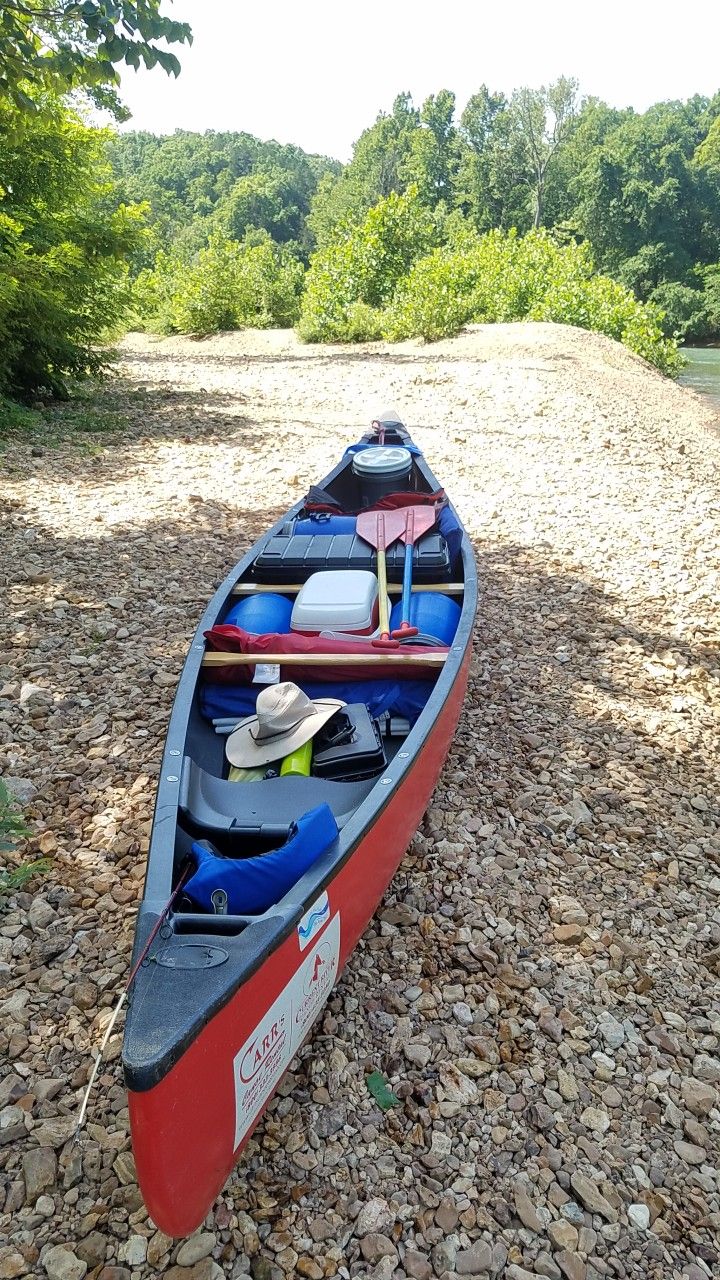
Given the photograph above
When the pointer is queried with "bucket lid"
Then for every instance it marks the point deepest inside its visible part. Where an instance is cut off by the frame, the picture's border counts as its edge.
(382, 460)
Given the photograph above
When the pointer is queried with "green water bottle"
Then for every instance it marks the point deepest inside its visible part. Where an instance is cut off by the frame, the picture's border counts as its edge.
(297, 764)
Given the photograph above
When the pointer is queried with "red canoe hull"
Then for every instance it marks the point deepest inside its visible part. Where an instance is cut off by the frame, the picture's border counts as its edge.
(189, 1129)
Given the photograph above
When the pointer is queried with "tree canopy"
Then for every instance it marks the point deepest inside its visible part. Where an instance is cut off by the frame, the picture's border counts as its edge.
(59, 45)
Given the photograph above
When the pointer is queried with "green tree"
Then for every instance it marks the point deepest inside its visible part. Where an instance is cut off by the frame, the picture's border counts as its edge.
(264, 200)
(374, 172)
(651, 208)
(361, 269)
(594, 123)
(431, 161)
(708, 152)
(64, 249)
(504, 278)
(542, 121)
(228, 285)
(490, 186)
(60, 45)
(197, 183)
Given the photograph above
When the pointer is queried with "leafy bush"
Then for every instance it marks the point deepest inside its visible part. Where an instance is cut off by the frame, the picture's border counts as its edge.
(12, 878)
(12, 824)
(502, 277)
(364, 323)
(12, 829)
(227, 285)
(63, 249)
(364, 266)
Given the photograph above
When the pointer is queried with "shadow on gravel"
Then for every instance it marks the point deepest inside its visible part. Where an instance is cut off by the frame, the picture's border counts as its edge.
(570, 691)
(550, 648)
(159, 417)
(139, 358)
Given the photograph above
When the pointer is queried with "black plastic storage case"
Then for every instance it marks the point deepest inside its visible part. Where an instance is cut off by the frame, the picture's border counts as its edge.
(292, 557)
(360, 752)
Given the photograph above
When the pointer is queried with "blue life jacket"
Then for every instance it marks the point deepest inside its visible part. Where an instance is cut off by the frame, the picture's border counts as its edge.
(254, 884)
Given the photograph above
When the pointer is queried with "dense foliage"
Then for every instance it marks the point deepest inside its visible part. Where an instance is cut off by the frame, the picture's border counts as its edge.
(542, 205)
(198, 184)
(59, 45)
(64, 245)
(228, 285)
(642, 192)
(67, 236)
(354, 276)
(404, 273)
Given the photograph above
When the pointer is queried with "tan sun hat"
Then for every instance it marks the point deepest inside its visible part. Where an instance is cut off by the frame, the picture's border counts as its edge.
(285, 719)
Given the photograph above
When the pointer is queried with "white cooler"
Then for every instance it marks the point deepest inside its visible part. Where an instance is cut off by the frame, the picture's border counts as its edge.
(337, 600)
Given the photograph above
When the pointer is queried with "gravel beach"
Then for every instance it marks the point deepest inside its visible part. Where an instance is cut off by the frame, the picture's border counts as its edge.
(540, 984)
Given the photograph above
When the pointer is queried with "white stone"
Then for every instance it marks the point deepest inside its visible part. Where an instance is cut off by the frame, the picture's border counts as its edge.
(596, 1119)
(61, 1264)
(639, 1216)
(457, 1087)
(698, 1096)
(375, 1216)
(133, 1251)
(706, 1068)
(40, 914)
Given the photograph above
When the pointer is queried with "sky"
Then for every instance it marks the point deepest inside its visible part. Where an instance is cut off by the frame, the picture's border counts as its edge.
(317, 73)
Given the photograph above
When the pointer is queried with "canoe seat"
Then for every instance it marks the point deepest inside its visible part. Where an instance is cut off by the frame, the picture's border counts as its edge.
(210, 804)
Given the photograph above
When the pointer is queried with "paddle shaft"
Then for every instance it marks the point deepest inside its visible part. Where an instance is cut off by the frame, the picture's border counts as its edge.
(407, 567)
(382, 592)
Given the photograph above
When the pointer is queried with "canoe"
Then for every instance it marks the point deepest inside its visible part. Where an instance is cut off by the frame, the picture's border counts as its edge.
(224, 998)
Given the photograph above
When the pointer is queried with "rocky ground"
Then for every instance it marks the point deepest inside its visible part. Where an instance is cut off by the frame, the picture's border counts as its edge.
(539, 986)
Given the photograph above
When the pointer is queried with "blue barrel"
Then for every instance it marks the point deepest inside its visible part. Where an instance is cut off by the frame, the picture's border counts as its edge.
(436, 616)
(325, 523)
(263, 613)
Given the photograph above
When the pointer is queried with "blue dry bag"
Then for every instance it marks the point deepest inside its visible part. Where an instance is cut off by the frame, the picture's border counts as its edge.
(254, 884)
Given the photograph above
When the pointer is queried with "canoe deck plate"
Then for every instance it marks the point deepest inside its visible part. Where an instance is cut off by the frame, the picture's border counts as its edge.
(192, 955)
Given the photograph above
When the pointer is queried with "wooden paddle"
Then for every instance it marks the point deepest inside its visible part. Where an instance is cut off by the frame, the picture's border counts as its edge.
(417, 522)
(381, 529)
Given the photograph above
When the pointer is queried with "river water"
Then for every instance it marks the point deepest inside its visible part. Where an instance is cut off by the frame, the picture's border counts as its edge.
(702, 371)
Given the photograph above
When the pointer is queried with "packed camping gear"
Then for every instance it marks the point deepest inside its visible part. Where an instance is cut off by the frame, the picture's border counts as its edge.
(312, 718)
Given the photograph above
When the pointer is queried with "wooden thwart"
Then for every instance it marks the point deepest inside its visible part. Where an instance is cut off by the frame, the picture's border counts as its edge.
(214, 658)
(292, 588)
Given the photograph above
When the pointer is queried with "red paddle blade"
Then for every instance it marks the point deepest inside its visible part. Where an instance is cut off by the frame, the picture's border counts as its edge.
(381, 528)
(417, 521)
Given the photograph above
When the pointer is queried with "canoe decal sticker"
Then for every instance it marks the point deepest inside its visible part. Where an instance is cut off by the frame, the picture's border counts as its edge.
(313, 921)
(267, 1052)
